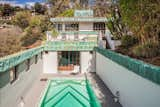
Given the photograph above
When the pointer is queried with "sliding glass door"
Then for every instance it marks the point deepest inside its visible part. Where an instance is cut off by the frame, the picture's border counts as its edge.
(67, 60)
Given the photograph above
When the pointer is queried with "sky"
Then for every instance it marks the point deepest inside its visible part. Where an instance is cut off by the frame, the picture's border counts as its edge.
(21, 2)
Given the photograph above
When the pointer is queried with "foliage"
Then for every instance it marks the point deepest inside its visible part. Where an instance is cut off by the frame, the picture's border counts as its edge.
(35, 21)
(39, 8)
(67, 13)
(6, 9)
(142, 17)
(22, 19)
(101, 8)
(36, 30)
(32, 34)
(110, 26)
(58, 6)
(128, 41)
(147, 50)
(54, 33)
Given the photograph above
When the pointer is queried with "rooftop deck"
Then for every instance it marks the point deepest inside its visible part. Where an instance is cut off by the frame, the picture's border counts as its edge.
(32, 98)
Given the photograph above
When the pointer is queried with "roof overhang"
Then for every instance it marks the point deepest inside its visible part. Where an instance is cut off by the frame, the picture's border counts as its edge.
(80, 19)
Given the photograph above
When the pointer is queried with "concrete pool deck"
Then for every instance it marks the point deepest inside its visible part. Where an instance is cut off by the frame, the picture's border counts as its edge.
(33, 96)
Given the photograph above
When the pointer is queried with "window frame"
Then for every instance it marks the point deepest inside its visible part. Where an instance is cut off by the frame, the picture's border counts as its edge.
(28, 65)
(13, 74)
(36, 59)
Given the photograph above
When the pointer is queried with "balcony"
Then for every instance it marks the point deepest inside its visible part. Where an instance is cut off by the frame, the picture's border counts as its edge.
(83, 36)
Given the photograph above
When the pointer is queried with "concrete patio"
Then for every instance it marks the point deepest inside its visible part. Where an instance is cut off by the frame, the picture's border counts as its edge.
(34, 94)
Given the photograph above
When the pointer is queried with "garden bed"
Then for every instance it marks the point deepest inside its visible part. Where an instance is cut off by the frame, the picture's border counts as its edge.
(153, 60)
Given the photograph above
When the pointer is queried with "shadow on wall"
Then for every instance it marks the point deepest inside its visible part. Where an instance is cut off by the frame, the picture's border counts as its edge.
(102, 92)
(92, 62)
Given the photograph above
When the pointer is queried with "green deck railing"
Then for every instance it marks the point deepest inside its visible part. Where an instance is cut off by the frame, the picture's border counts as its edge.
(79, 32)
(141, 68)
(70, 46)
(15, 59)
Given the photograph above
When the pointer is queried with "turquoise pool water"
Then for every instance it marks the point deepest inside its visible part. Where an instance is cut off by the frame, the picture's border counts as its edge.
(69, 93)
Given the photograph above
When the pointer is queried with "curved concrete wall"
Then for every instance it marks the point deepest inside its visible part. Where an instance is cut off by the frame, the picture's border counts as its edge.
(134, 90)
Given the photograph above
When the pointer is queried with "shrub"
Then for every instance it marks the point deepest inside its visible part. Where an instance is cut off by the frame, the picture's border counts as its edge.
(21, 19)
(54, 33)
(31, 35)
(67, 13)
(128, 41)
(147, 50)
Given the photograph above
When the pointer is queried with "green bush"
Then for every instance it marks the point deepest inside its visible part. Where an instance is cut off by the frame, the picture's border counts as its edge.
(128, 41)
(147, 50)
(22, 19)
(67, 13)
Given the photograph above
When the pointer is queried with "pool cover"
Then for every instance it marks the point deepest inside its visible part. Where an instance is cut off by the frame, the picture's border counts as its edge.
(69, 93)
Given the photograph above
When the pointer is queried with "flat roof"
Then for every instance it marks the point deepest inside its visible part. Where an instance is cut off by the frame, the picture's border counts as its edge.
(80, 19)
(83, 13)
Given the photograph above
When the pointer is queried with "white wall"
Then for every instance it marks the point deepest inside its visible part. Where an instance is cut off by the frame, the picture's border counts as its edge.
(86, 26)
(50, 62)
(87, 62)
(135, 91)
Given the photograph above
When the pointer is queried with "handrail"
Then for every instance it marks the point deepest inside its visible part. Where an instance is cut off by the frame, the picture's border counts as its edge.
(15, 59)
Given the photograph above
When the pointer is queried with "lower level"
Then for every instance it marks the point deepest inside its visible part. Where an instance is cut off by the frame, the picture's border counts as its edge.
(68, 62)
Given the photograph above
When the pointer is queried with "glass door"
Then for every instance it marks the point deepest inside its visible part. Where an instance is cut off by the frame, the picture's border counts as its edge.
(68, 60)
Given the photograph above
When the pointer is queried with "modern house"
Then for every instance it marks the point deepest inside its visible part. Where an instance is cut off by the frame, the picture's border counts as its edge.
(72, 48)
(77, 47)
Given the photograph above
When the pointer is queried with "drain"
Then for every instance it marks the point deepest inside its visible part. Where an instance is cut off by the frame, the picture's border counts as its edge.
(43, 79)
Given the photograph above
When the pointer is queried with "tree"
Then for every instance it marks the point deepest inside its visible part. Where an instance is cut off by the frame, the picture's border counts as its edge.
(142, 17)
(7, 10)
(101, 8)
(39, 8)
(58, 6)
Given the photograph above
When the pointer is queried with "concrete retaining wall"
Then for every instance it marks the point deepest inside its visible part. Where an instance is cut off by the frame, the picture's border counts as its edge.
(134, 90)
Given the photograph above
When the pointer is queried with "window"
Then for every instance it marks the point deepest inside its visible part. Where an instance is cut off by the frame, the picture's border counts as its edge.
(99, 27)
(59, 27)
(28, 64)
(91, 52)
(72, 27)
(13, 74)
(41, 55)
(36, 59)
(46, 52)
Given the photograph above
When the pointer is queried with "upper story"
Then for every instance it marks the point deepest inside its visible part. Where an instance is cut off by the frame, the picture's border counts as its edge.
(83, 26)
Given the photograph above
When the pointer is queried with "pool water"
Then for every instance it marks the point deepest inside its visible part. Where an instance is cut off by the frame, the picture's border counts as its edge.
(69, 93)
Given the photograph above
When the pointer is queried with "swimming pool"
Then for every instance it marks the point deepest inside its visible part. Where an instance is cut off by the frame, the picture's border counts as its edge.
(69, 93)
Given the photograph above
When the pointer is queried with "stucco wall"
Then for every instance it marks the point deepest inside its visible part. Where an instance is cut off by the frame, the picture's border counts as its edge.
(87, 62)
(50, 62)
(10, 93)
(135, 91)
(85, 26)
